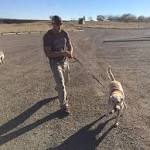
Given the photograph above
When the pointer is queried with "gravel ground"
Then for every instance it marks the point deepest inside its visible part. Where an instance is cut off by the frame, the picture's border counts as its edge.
(30, 117)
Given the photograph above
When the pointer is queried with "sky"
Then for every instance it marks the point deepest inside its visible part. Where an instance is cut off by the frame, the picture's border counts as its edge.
(71, 9)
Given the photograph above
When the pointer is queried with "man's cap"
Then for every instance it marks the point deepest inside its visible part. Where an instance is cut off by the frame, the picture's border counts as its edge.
(56, 20)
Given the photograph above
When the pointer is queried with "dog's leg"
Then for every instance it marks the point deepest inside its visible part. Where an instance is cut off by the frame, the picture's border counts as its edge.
(110, 107)
(125, 105)
(1, 60)
(117, 118)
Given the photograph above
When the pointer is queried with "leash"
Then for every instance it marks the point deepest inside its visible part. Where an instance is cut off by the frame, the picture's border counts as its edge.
(92, 75)
(77, 60)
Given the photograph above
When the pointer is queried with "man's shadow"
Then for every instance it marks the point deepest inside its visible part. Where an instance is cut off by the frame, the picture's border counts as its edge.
(86, 138)
(13, 123)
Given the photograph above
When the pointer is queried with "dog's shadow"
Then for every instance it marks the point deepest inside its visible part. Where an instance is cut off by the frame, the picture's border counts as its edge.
(86, 138)
(14, 123)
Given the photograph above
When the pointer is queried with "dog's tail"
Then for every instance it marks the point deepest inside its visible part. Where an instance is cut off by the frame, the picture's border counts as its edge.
(110, 74)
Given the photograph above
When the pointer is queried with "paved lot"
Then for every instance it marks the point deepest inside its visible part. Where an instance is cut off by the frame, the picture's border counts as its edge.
(29, 109)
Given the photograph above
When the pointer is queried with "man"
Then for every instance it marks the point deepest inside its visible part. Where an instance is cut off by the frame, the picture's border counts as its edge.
(58, 48)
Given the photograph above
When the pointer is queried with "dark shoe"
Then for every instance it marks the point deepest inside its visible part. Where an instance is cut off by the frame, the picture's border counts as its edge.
(65, 110)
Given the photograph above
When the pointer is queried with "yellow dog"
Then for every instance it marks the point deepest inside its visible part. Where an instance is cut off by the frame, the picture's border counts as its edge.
(116, 97)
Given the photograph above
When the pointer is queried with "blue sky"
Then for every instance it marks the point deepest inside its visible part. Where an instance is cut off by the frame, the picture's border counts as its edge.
(67, 9)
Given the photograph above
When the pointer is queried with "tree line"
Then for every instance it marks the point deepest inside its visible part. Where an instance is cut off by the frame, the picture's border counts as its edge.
(124, 18)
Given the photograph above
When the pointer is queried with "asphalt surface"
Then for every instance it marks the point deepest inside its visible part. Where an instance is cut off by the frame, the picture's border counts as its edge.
(29, 108)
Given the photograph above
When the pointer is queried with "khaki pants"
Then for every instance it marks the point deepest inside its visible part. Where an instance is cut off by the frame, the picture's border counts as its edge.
(61, 75)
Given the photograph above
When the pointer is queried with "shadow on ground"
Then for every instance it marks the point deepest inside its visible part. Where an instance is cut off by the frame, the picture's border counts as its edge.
(12, 124)
(86, 138)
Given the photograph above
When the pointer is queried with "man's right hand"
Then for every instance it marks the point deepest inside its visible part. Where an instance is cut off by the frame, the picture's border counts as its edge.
(67, 54)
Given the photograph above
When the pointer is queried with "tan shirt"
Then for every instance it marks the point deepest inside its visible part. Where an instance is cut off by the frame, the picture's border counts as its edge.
(57, 41)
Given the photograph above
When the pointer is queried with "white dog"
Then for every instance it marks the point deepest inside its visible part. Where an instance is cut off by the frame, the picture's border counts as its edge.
(116, 97)
(1, 57)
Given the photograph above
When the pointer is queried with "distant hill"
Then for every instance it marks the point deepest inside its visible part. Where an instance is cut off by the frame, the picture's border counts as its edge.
(9, 21)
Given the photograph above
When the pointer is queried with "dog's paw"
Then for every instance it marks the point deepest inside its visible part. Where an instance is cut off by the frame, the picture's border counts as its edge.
(113, 111)
(116, 124)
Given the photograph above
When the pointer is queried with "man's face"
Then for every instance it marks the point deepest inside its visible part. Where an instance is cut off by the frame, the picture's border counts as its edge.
(56, 26)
